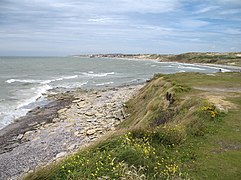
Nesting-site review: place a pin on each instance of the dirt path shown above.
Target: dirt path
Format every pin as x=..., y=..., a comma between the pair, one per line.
x=218, y=96
x=211, y=89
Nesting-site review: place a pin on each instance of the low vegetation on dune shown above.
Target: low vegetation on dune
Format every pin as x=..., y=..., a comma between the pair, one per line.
x=213, y=58
x=224, y=58
x=228, y=58
x=180, y=126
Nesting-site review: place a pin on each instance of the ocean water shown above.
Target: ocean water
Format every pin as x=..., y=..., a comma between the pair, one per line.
x=23, y=80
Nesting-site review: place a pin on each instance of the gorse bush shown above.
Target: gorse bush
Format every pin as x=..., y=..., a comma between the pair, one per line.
x=134, y=155
x=211, y=110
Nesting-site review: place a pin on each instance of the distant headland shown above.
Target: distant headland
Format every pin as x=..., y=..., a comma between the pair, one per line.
x=224, y=58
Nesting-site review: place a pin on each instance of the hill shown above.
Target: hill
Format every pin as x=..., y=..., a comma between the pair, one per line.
x=179, y=126
x=229, y=58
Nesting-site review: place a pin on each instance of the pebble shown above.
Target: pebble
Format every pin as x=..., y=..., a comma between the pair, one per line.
x=73, y=146
x=90, y=116
x=60, y=155
x=90, y=132
x=76, y=101
x=20, y=136
x=62, y=110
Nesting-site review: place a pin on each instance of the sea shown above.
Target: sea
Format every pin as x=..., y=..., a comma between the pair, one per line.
x=25, y=80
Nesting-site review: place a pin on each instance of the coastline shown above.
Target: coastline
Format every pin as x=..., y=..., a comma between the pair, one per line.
x=229, y=67
x=70, y=121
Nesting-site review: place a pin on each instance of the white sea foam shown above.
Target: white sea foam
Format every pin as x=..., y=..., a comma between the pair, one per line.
x=11, y=112
x=33, y=81
x=74, y=85
x=8, y=114
x=168, y=66
x=192, y=68
x=70, y=77
x=92, y=74
x=59, y=79
x=10, y=81
x=225, y=70
x=22, y=81
x=37, y=93
x=105, y=83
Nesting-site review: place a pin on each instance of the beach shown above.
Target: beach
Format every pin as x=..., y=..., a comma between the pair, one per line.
x=70, y=121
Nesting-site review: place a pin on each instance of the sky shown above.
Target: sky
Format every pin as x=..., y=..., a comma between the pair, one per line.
x=70, y=27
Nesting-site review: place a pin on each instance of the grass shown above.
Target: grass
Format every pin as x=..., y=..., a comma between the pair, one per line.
x=231, y=58
x=186, y=138
x=213, y=58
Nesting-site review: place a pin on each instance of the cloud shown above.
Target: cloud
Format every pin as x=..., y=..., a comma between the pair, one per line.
x=124, y=25
x=235, y=2
x=106, y=20
x=207, y=9
x=193, y=23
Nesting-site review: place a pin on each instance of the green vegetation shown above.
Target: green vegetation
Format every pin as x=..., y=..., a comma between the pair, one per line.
x=213, y=58
x=229, y=58
x=181, y=126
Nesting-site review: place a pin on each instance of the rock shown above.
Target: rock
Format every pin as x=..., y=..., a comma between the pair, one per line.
x=77, y=133
x=92, y=120
x=52, y=133
x=36, y=138
x=62, y=111
x=112, y=128
x=60, y=155
x=118, y=114
x=99, y=129
x=28, y=133
x=92, y=138
x=56, y=120
x=99, y=114
x=48, y=125
x=30, y=171
x=20, y=136
x=109, y=116
x=70, y=124
x=76, y=101
x=73, y=146
x=95, y=92
x=81, y=105
x=91, y=113
x=33, y=124
x=90, y=132
x=70, y=120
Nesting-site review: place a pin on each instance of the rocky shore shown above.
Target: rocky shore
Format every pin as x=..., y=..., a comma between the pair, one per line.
x=70, y=121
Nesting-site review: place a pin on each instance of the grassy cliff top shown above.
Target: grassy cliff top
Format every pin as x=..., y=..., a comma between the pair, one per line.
x=180, y=126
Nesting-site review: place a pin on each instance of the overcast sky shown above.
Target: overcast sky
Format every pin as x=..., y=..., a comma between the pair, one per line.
x=67, y=27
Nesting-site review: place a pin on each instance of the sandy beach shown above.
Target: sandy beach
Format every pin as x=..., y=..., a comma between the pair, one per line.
x=70, y=121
